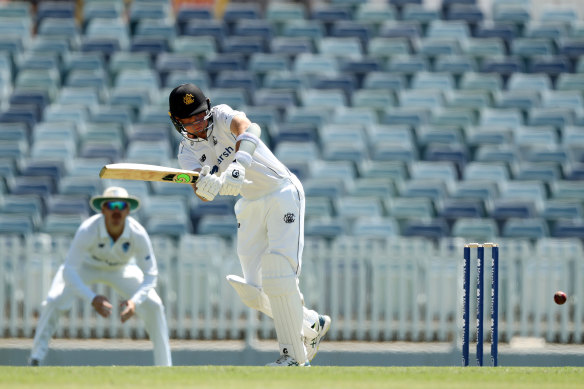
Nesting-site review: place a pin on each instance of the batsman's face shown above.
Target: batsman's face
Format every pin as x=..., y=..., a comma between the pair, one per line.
x=115, y=213
x=196, y=126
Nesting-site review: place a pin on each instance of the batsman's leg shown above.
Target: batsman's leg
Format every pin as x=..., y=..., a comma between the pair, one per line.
x=255, y=298
x=281, y=285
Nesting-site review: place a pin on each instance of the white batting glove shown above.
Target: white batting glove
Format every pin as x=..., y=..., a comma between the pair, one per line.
x=232, y=179
x=208, y=185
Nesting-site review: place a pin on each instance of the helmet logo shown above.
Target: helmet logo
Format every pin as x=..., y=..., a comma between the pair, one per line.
x=188, y=99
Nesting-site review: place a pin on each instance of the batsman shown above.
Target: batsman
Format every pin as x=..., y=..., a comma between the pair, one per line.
x=225, y=147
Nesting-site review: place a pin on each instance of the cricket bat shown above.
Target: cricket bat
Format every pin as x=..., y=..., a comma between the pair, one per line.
x=144, y=172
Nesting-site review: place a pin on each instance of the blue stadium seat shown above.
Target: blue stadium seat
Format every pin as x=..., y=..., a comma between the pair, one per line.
x=432, y=229
x=526, y=81
x=49, y=167
x=234, y=97
x=279, y=98
x=104, y=45
x=224, y=61
x=402, y=208
x=503, y=153
x=68, y=205
x=385, y=47
x=480, y=189
x=448, y=116
x=350, y=28
x=485, y=135
x=507, y=208
x=475, y=229
x=17, y=131
x=551, y=65
x=565, y=189
x=448, y=29
x=502, y=65
x=481, y=81
x=280, y=12
x=384, y=80
x=55, y=9
x=377, y=227
x=557, y=117
x=420, y=13
x=545, y=29
x=307, y=63
x=244, y=45
x=400, y=29
x=331, y=187
x=528, y=136
x=455, y=208
x=571, y=47
x=294, y=132
x=291, y=46
x=530, y=228
x=100, y=149
x=328, y=227
x=162, y=28
x=62, y=224
x=444, y=170
x=543, y=171
x=102, y=10
x=331, y=98
x=31, y=205
x=262, y=63
x=405, y=115
x=510, y=117
x=428, y=134
x=535, y=190
x=434, y=189
x=81, y=185
x=523, y=99
x=59, y=27
x=469, y=12
x=284, y=79
x=568, y=229
x=383, y=133
x=558, y=209
x=468, y=98
x=39, y=185
x=375, y=13
x=16, y=224
x=408, y=64
x=529, y=47
x=570, y=81
x=203, y=27
x=423, y=98
x=455, y=64
x=433, y=80
x=562, y=99
x=382, y=188
x=347, y=47
x=358, y=206
x=237, y=79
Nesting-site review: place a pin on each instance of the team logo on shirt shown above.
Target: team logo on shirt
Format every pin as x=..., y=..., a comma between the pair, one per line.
x=235, y=173
x=289, y=218
x=126, y=246
x=203, y=158
x=214, y=141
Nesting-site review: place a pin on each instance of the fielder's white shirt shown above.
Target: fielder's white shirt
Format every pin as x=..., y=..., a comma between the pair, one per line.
x=93, y=247
x=266, y=173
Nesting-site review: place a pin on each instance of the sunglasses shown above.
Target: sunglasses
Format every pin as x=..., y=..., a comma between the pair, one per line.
x=116, y=205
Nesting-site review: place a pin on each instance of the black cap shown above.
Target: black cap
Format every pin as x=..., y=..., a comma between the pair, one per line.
x=187, y=100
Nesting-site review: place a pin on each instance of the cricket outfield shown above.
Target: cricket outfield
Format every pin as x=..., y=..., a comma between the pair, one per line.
x=251, y=377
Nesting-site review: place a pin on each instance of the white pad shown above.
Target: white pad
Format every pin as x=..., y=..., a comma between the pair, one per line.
x=281, y=286
x=255, y=298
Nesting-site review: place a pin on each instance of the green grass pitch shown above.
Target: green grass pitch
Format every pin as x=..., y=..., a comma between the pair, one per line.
x=338, y=377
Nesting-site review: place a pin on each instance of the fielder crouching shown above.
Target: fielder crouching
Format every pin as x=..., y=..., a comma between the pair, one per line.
x=101, y=252
x=225, y=147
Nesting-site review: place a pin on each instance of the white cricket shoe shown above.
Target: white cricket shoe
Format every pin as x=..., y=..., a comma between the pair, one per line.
x=321, y=326
x=286, y=360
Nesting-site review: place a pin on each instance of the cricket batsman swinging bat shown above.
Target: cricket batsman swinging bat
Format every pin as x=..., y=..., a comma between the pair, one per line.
x=144, y=172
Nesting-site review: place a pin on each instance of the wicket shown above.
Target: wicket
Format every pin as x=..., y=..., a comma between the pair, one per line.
x=480, y=288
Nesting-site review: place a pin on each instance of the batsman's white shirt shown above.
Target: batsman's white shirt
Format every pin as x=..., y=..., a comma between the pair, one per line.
x=93, y=250
x=270, y=213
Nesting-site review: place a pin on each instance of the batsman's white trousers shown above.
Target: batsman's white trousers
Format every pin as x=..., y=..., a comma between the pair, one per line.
x=125, y=281
x=265, y=226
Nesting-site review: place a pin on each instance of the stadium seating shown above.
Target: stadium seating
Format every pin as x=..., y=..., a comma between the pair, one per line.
x=477, y=112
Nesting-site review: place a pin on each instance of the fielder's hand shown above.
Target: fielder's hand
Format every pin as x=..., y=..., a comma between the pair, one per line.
x=102, y=305
x=208, y=185
x=128, y=309
x=232, y=178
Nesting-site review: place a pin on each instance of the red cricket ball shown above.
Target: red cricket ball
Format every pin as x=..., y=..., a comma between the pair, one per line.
x=560, y=297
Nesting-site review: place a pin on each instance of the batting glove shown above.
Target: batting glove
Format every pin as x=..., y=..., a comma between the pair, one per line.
x=208, y=185
x=232, y=179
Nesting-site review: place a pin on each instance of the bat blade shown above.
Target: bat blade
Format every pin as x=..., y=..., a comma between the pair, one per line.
x=144, y=172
